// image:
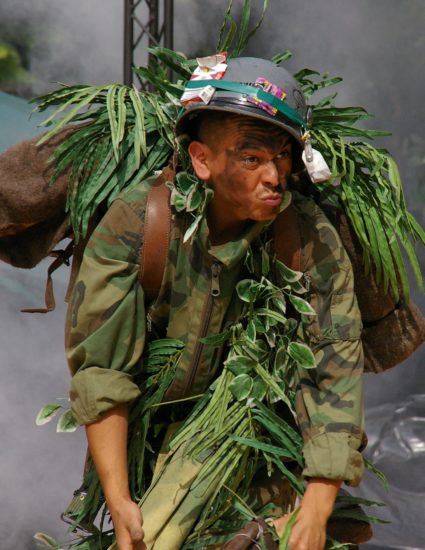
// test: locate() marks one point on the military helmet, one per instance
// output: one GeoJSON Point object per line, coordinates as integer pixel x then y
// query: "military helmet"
{"type": "Point", "coordinates": [253, 87]}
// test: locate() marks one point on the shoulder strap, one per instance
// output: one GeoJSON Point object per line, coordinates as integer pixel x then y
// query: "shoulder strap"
{"type": "Point", "coordinates": [156, 235]}
{"type": "Point", "coordinates": [287, 238]}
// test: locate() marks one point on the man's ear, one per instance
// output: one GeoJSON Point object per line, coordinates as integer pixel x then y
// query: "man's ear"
{"type": "Point", "coordinates": [199, 154]}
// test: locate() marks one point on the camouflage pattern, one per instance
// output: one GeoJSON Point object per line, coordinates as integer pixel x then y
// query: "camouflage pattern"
{"type": "Point", "coordinates": [108, 324]}
{"type": "Point", "coordinates": [329, 399]}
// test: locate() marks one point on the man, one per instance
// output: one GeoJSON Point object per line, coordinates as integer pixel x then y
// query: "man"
{"type": "Point", "coordinates": [245, 150]}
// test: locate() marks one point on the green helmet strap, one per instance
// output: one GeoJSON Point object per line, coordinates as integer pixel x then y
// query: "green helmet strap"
{"type": "Point", "coordinates": [252, 91]}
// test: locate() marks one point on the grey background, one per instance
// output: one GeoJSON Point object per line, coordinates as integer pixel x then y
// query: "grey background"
{"type": "Point", "coordinates": [378, 46]}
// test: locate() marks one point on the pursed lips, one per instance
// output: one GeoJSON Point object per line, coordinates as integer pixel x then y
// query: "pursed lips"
{"type": "Point", "coordinates": [275, 197]}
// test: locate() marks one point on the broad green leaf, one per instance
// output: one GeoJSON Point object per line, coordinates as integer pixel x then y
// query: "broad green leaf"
{"type": "Point", "coordinates": [241, 386]}
{"type": "Point", "coordinates": [240, 364]}
{"type": "Point", "coordinates": [259, 389]}
{"type": "Point", "coordinates": [67, 423]}
{"type": "Point", "coordinates": [216, 339]}
{"type": "Point", "coordinates": [47, 413]}
{"type": "Point", "coordinates": [247, 290]}
{"type": "Point", "coordinates": [251, 331]}
{"type": "Point", "coordinates": [302, 306]}
{"type": "Point", "coordinates": [272, 384]}
{"type": "Point", "coordinates": [278, 317]}
{"type": "Point", "coordinates": [287, 273]}
{"type": "Point", "coordinates": [194, 199]}
{"type": "Point", "coordinates": [302, 354]}
{"type": "Point", "coordinates": [167, 342]}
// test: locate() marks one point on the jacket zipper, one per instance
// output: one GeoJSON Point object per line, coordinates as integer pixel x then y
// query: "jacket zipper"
{"type": "Point", "coordinates": [214, 292]}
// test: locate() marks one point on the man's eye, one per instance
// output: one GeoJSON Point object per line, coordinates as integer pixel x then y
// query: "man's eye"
{"type": "Point", "coordinates": [250, 161]}
{"type": "Point", "coordinates": [283, 155]}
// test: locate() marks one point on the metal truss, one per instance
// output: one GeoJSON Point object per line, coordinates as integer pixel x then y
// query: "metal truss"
{"type": "Point", "coordinates": [147, 23]}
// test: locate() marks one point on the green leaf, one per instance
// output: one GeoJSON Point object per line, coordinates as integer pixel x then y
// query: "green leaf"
{"type": "Point", "coordinates": [280, 430]}
{"type": "Point", "coordinates": [140, 127]}
{"type": "Point", "coordinates": [70, 115]}
{"type": "Point", "coordinates": [259, 389]}
{"type": "Point", "coordinates": [240, 364]}
{"type": "Point", "coordinates": [302, 354]}
{"type": "Point", "coordinates": [248, 290]}
{"type": "Point", "coordinates": [293, 479]}
{"type": "Point", "coordinates": [194, 199]}
{"type": "Point", "coordinates": [265, 262]}
{"type": "Point", "coordinates": [47, 541]}
{"type": "Point", "coordinates": [350, 499]}
{"type": "Point", "coordinates": [47, 413]}
{"type": "Point", "coordinates": [284, 540]}
{"type": "Point", "coordinates": [251, 331]}
{"type": "Point", "coordinates": [241, 386]}
{"type": "Point", "coordinates": [67, 422]}
{"type": "Point", "coordinates": [380, 475]}
{"type": "Point", "coordinates": [216, 339]}
{"type": "Point", "coordinates": [302, 306]}
{"type": "Point", "coordinates": [284, 56]}
{"type": "Point", "coordinates": [288, 274]}
{"type": "Point", "coordinates": [261, 446]}
{"type": "Point", "coordinates": [278, 317]}
{"type": "Point", "coordinates": [243, 27]}
{"type": "Point", "coordinates": [167, 342]}
{"type": "Point", "coordinates": [192, 228]}
{"type": "Point", "coordinates": [348, 513]}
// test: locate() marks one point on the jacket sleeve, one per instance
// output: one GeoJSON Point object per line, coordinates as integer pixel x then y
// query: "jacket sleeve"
{"type": "Point", "coordinates": [105, 329]}
{"type": "Point", "coordinates": [330, 397]}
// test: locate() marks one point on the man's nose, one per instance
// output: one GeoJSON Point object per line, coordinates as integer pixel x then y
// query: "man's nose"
{"type": "Point", "coordinates": [271, 174]}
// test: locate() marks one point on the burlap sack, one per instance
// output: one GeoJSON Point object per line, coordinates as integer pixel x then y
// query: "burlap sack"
{"type": "Point", "coordinates": [32, 213]}
{"type": "Point", "coordinates": [392, 332]}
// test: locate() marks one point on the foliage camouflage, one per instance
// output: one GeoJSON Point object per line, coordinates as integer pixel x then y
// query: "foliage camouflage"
{"type": "Point", "coordinates": [127, 135]}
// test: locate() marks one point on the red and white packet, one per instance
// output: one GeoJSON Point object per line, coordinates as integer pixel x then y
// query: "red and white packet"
{"type": "Point", "coordinates": [212, 67]}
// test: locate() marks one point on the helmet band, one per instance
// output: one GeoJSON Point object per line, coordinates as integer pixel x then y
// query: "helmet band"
{"type": "Point", "coordinates": [251, 91]}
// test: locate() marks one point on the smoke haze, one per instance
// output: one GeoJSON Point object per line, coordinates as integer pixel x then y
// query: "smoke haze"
{"type": "Point", "coordinates": [377, 46]}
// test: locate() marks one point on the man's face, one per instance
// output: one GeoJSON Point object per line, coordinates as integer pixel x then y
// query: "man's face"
{"type": "Point", "coordinates": [247, 163]}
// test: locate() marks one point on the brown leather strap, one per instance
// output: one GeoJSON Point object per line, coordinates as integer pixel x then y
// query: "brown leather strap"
{"type": "Point", "coordinates": [287, 238]}
{"type": "Point", "coordinates": [156, 235]}
{"type": "Point", "coordinates": [248, 538]}
{"type": "Point", "coordinates": [61, 257]}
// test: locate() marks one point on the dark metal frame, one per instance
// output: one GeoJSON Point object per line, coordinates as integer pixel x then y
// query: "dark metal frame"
{"type": "Point", "coordinates": [157, 30]}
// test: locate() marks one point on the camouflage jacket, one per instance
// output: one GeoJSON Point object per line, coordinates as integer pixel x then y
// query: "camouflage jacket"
{"type": "Point", "coordinates": [108, 325]}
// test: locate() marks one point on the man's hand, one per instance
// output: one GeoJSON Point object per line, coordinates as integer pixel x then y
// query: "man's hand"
{"type": "Point", "coordinates": [107, 440]}
{"type": "Point", "coordinates": [309, 529]}
{"type": "Point", "coordinates": [127, 520]}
